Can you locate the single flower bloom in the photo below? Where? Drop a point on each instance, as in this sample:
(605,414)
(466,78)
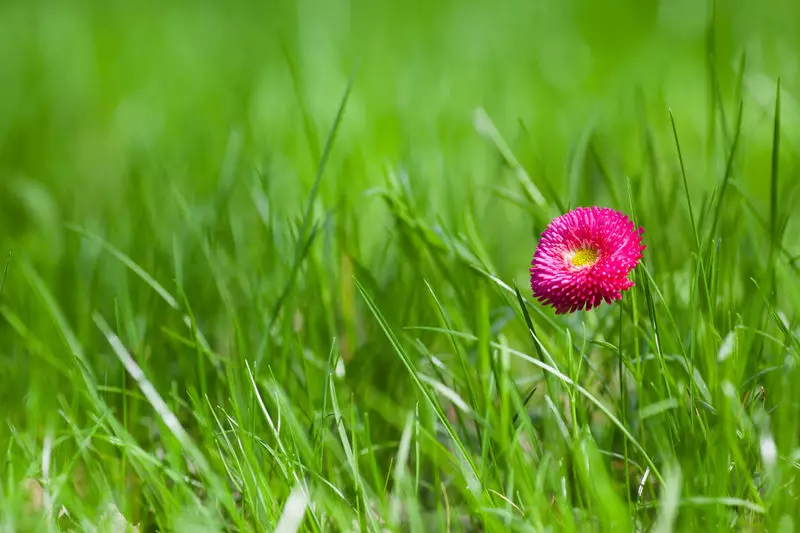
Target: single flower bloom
(584,257)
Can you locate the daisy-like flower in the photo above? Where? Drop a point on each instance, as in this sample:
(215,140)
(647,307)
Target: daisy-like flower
(584,257)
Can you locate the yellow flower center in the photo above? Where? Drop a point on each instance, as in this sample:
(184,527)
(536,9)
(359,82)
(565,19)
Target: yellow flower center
(584,257)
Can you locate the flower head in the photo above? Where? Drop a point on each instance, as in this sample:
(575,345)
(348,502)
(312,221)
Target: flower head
(584,257)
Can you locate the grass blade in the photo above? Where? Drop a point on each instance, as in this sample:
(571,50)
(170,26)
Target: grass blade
(465,457)
(302,242)
(128,262)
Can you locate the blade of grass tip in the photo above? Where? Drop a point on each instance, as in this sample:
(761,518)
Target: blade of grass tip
(683,175)
(369,452)
(740,76)
(323,162)
(689,202)
(646,286)
(465,457)
(128,262)
(199,354)
(485,127)
(5,272)
(695,231)
(297,84)
(716,93)
(773,192)
(726,177)
(773,196)
(524,403)
(779,322)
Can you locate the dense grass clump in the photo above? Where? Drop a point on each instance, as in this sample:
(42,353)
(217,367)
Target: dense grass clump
(266,266)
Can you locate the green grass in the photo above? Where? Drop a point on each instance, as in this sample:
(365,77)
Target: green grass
(268,266)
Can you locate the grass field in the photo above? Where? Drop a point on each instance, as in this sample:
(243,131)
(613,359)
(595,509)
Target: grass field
(267,266)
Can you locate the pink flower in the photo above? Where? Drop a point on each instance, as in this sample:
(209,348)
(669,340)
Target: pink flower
(584,257)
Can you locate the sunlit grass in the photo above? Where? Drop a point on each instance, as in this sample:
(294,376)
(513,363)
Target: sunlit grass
(268,269)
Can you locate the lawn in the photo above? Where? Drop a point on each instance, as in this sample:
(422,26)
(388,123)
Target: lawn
(266,266)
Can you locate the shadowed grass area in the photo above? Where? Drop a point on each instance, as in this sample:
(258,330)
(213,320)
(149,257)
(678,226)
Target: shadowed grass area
(268,266)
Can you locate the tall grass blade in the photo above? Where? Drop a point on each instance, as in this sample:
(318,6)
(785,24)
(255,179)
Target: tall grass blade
(303,242)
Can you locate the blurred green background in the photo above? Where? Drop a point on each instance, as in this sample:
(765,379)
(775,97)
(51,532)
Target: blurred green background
(106,106)
(187,135)
(111,110)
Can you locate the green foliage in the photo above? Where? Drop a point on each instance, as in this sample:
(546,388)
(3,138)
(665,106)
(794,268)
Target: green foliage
(268,266)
